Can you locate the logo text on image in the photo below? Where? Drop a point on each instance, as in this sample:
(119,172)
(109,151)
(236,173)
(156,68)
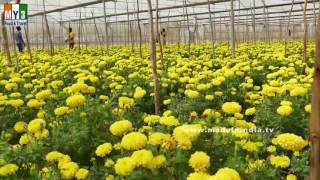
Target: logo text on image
(15,15)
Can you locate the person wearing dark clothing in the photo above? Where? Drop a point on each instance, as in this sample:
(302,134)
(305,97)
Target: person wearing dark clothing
(19,39)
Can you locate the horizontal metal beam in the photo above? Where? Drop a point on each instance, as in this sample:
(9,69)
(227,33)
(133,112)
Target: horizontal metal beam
(68,8)
(145,11)
(190,5)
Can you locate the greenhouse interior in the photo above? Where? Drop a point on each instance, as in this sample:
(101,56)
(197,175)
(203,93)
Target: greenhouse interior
(163,89)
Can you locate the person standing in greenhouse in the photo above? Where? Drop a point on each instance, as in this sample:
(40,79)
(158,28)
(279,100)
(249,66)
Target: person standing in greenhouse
(70,38)
(19,39)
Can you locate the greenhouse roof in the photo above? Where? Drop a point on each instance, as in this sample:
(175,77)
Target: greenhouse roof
(274,11)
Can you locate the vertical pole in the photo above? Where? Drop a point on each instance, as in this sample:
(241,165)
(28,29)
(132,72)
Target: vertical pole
(139,29)
(79,33)
(314,124)
(211,29)
(105,24)
(254,21)
(129,27)
(97,31)
(26,31)
(157,31)
(232,30)
(51,52)
(153,61)
(305,35)
(188,25)
(14,49)
(287,32)
(5,41)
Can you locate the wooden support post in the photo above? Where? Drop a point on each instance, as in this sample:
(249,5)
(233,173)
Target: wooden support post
(153,56)
(314,124)
(305,37)
(51,50)
(5,41)
(105,24)
(254,21)
(26,31)
(139,29)
(15,49)
(232,30)
(79,34)
(129,28)
(211,30)
(288,32)
(97,32)
(188,25)
(158,33)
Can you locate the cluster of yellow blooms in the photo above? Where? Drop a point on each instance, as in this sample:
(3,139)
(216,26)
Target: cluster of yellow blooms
(67,168)
(290,141)
(8,169)
(142,158)
(44,94)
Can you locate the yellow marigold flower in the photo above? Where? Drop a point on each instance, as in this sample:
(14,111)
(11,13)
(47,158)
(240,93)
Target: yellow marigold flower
(286,103)
(124,166)
(139,93)
(250,111)
(76,100)
(307,108)
(298,91)
(198,176)
(134,141)
(36,125)
(142,157)
(45,94)
(167,113)
(255,165)
(8,169)
(120,128)
(285,110)
(16,103)
(291,177)
(109,163)
(54,156)
(280,161)
(167,101)
(24,139)
(271,149)
(238,115)
(231,107)
(249,145)
(60,111)
(69,170)
(151,119)
(82,173)
(228,172)
(20,127)
(34,103)
(169,121)
(103,149)
(109,177)
(209,97)
(216,82)
(191,94)
(157,138)
(156,162)
(290,141)
(199,161)
(104,98)
(125,102)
